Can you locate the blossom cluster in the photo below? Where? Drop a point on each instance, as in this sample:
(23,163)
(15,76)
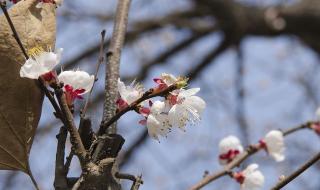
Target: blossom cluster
(230,148)
(178,108)
(41,65)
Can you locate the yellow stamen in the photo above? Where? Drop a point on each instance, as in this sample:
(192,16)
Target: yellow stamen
(35,51)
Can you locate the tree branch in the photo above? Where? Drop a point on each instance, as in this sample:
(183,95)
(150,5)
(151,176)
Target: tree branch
(252,149)
(137,181)
(113,62)
(161,59)
(140,28)
(60,180)
(240,114)
(209,58)
(100,61)
(298,172)
(77,145)
(134,105)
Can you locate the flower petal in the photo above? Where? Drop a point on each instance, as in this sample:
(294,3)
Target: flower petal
(178,116)
(186,93)
(275,145)
(228,143)
(197,103)
(77,79)
(40,64)
(129,93)
(229,148)
(157,125)
(254,179)
(122,88)
(32,69)
(157,107)
(152,126)
(168,79)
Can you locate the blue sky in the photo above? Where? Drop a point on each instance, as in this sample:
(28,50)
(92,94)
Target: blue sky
(274,100)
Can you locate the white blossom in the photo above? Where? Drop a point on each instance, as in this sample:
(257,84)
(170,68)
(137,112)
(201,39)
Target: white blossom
(275,145)
(130,93)
(229,148)
(186,107)
(40,64)
(157,120)
(168,79)
(253,178)
(77,80)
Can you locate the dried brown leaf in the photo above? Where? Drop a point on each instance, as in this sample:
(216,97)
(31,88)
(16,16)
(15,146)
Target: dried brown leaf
(20,98)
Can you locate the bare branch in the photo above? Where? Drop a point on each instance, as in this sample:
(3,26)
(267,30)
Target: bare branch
(87,136)
(113,62)
(100,60)
(77,145)
(139,29)
(209,58)
(60,180)
(15,34)
(137,181)
(134,105)
(298,172)
(161,59)
(240,96)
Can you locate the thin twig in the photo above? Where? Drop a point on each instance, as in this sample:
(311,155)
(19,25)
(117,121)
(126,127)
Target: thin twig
(209,57)
(240,114)
(86,135)
(297,128)
(136,184)
(50,96)
(100,61)
(77,145)
(133,106)
(32,178)
(15,34)
(298,172)
(68,161)
(60,179)
(137,181)
(252,149)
